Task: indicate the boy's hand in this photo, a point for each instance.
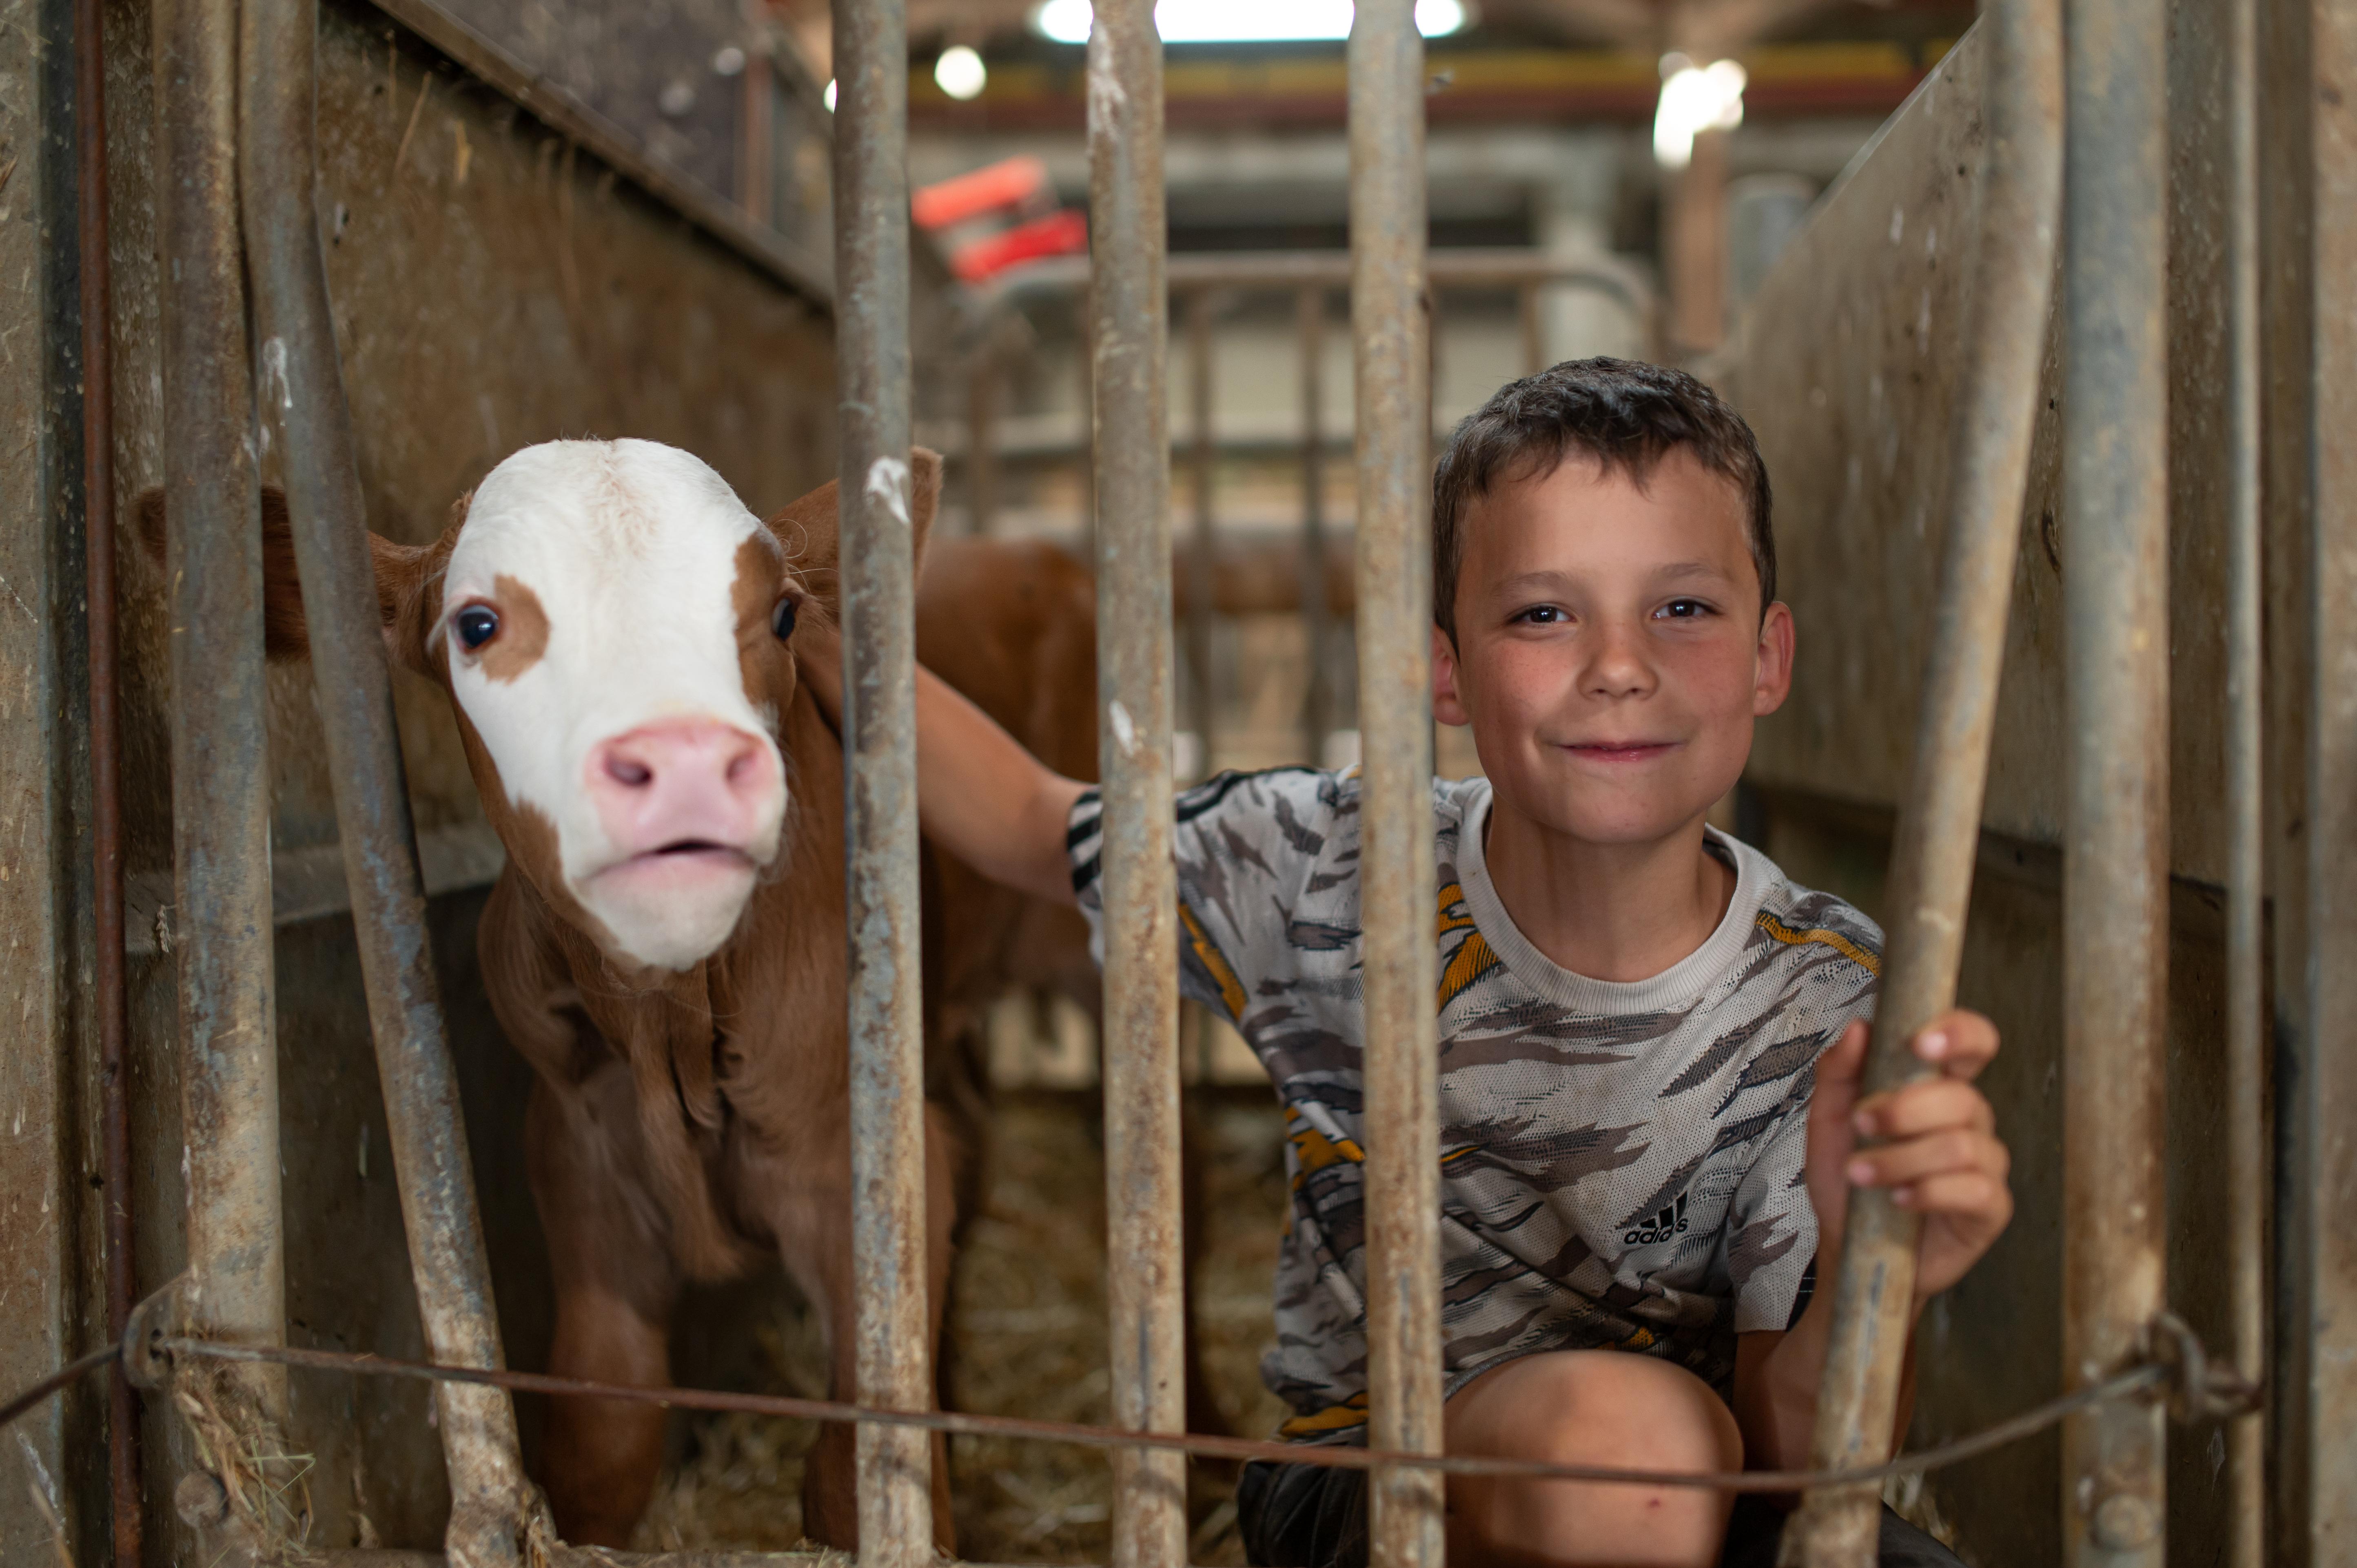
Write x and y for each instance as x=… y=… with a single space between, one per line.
x=1941 y=1156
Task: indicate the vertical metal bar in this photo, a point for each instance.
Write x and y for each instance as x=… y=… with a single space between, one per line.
x=2114 y=866
x=221 y=771
x=2328 y=1084
x=1086 y=363
x=302 y=393
x=1394 y=609
x=91 y=196
x=2246 y=1064
x=879 y=773
x=1432 y=348
x=1938 y=832
x=1318 y=700
x=1528 y=301
x=1202 y=469
x=1128 y=333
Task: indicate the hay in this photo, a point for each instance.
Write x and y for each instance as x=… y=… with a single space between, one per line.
x=1026 y=1336
x=267 y=1485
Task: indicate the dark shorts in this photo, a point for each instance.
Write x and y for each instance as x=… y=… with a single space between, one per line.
x=1315 y=1516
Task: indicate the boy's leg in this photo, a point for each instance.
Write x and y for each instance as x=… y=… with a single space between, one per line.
x=1589 y=1407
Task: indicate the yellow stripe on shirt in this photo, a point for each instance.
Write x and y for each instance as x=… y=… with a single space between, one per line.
x=1794 y=935
x=1223 y=975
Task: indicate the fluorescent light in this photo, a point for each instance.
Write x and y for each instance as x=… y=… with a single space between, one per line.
x=960 y=71
x=1243 y=21
x=1694 y=98
x=830 y=95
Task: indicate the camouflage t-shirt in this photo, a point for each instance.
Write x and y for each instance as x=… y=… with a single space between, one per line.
x=1621 y=1163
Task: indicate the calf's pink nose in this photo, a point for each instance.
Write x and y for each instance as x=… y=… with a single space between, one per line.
x=694 y=781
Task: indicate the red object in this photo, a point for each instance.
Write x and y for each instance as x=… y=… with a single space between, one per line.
x=1057 y=234
x=1014 y=182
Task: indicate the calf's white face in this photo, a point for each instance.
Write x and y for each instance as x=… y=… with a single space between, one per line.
x=606 y=614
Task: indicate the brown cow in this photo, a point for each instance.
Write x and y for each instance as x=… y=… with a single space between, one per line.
x=666 y=944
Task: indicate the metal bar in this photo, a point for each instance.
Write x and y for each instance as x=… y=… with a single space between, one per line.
x=1937 y=836
x=1394 y=588
x=220 y=761
x=1145 y=1264
x=2248 y=1141
x=2115 y=854
x=1202 y=466
x=302 y=393
x=2327 y=1306
x=91 y=198
x=879 y=773
x=1432 y=366
x=1317 y=699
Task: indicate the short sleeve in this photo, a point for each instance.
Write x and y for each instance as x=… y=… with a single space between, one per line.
x=1245 y=844
x=1772 y=1230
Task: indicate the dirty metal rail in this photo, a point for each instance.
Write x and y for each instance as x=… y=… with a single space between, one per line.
x=880 y=776
x=1317 y=699
x=1938 y=832
x=2115 y=864
x=220 y=764
x=1389 y=306
x=1128 y=343
x=302 y=394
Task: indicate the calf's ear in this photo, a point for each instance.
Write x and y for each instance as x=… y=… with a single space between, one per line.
x=405 y=578
x=811 y=528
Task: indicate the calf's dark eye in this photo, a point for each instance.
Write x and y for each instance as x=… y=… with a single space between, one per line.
x=781 y=619
x=476 y=625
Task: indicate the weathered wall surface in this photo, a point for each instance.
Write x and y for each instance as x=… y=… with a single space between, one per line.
x=1848 y=369
x=493 y=286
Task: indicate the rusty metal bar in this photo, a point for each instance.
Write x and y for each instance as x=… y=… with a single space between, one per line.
x=1395 y=590
x=221 y=760
x=879 y=773
x=91 y=196
x=1318 y=697
x=2115 y=851
x=1145 y=1265
x=2248 y=1141
x=2326 y=1306
x=302 y=394
x=1202 y=469
x=1938 y=832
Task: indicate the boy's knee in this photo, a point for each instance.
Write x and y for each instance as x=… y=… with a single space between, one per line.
x=1605 y=1407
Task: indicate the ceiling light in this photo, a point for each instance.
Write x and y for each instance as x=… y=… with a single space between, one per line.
x=1245 y=21
x=959 y=72
x=1694 y=98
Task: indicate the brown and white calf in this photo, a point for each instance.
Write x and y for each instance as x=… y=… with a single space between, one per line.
x=666 y=945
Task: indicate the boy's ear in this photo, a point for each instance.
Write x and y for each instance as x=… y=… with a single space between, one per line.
x=1447 y=703
x=811 y=528
x=405 y=574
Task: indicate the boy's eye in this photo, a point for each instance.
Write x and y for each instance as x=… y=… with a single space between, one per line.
x=1543 y=615
x=1684 y=610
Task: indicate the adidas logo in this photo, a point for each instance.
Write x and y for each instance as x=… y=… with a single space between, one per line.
x=1663 y=1227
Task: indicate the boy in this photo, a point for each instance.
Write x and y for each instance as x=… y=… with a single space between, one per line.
x=1650 y=1040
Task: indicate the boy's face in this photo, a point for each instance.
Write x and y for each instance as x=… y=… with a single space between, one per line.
x=1610 y=653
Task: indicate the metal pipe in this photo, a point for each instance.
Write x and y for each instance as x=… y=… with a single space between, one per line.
x=1317 y=700
x=1394 y=573
x=2247 y=1140
x=1203 y=462
x=302 y=393
x=221 y=757
x=2115 y=852
x=91 y=196
x=1146 y=1263
x=1938 y=832
x=879 y=773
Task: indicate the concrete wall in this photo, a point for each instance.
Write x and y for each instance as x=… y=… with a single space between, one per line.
x=1847 y=367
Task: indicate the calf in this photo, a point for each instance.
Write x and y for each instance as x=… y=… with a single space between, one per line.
x=666 y=943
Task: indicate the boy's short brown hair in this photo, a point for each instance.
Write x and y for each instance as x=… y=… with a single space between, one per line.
x=1625 y=415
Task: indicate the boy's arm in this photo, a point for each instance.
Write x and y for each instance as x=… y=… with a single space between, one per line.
x=981 y=795
x=1942 y=1158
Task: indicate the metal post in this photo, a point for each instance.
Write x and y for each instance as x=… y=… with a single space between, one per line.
x=879 y=772
x=2246 y=1047
x=91 y=196
x=1394 y=609
x=1938 y=833
x=302 y=393
x=2325 y=1308
x=1203 y=468
x=221 y=768
x=1145 y=1266
x=1318 y=700
x=2115 y=853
